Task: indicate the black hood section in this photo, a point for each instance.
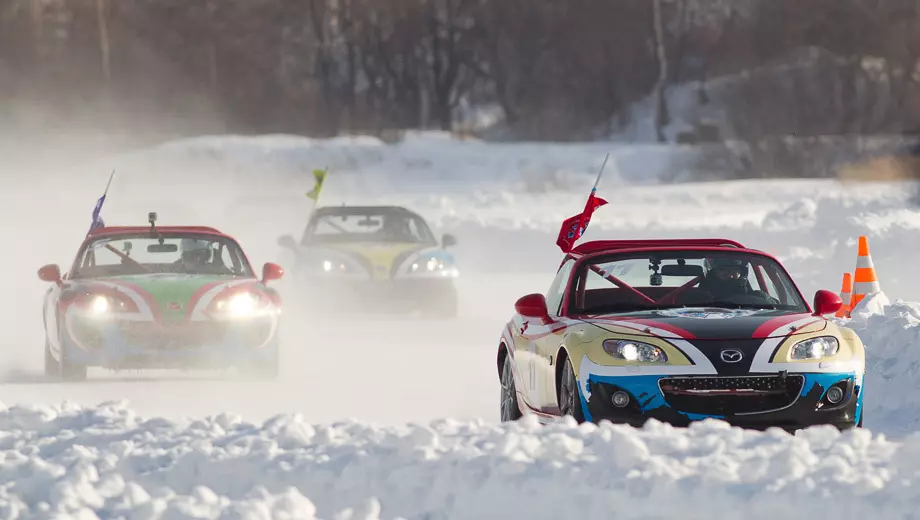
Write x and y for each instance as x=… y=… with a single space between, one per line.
x=713 y=350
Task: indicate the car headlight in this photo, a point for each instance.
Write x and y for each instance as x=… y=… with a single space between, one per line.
x=239 y=305
x=816 y=348
x=434 y=265
x=330 y=266
x=635 y=351
x=99 y=305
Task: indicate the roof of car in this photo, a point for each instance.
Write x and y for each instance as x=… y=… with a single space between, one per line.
x=130 y=230
x=605 y=246
x=361 y=210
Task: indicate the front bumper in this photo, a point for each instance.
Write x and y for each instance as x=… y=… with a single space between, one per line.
x=758 y=401
x=399 y=295
x=117 y=344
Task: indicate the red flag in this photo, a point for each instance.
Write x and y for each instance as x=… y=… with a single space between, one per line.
x=574 y=227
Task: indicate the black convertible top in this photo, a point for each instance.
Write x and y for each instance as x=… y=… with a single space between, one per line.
x=363 y=211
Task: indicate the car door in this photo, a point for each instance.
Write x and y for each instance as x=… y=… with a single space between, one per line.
x=545 y=343
x=50 y=305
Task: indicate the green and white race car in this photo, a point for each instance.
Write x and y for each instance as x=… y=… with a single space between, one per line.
x=183 y=297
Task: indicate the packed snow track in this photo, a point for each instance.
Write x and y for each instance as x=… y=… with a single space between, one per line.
x=376 y=417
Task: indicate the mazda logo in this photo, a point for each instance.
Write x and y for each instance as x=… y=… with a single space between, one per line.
x=731 y=355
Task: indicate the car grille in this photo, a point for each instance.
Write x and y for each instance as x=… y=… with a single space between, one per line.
x=186 y=335
x=730 y=395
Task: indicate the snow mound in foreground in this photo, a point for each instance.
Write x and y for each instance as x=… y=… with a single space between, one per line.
x=891 y=335
x=107 y=462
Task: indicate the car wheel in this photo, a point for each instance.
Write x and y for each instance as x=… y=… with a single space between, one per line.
x=569 y=400
x=510 y=410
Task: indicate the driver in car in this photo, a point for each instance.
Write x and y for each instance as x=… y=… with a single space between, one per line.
x=727 y=278
x=396 y=229
x=196 y=258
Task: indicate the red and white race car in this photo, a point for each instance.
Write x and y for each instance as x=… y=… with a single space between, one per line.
x=679 y=330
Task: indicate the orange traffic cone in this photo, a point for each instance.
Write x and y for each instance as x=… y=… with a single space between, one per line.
x=846 y=294
x=865 y=280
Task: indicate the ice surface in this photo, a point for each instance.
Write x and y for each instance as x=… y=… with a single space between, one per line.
x=368 y=390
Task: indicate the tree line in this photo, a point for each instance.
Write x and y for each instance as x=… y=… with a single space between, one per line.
x=557 y=70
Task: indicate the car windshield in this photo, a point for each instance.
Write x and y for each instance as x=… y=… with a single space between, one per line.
x=672 y=279
x=382 y=226
x=170 y=253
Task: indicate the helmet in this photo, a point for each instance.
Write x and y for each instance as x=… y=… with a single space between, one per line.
x=720 y=264
x=194 y=249
x=726 y=273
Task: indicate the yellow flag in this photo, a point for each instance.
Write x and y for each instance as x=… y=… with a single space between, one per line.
x=320 y=178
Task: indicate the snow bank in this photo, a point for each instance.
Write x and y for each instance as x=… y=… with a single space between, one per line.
x=108 y=462
x=891 y=333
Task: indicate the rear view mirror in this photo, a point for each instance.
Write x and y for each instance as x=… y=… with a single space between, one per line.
x=681 y=270
x=448 y=240
x=50 y=273
x=827 y=302
x=162 y=248
x=532 y=306
x=271 y=271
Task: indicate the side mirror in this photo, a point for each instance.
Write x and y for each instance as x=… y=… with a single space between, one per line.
x=532 y=306
x=287 y=242
x=448 y=240
x=271 y=271
x=50 y=273
x=827 y=302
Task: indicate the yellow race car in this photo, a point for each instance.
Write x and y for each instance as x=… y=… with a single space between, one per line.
x=679 y=331
x=373 y=259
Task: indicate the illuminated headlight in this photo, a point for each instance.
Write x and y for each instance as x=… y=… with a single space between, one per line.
x=330 y=266
x=435 y=266
x=99 y=305
x=635 y=351
x=816 y=348
x=240 y=305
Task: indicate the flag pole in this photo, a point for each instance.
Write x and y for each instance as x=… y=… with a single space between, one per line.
x=112 y=176
x=600 y=172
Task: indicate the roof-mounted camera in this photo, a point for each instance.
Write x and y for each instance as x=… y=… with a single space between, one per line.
x=152 y=218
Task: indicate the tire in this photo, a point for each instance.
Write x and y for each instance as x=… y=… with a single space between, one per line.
x=569 y=400
x=508 y=408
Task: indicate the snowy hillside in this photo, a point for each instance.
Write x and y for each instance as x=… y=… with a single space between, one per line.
x=400 y=418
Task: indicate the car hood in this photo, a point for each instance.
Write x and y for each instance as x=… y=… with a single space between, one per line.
x=168 y=295
x=710 y=323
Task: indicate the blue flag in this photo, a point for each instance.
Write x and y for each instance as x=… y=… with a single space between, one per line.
x=97 y=220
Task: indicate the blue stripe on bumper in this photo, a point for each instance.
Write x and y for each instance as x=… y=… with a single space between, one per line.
x=649 y=402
